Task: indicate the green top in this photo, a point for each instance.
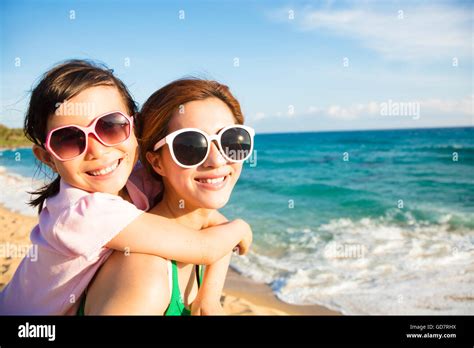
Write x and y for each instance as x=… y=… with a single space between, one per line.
x=176 y=306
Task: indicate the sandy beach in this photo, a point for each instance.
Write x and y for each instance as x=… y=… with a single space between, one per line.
x=241 y=295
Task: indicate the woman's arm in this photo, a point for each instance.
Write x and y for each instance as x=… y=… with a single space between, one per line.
x=207 y=301
x=157 y=235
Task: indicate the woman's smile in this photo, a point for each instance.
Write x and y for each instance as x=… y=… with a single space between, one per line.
x=212 y=182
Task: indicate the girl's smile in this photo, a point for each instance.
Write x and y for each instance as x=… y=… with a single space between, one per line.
x=105 y=171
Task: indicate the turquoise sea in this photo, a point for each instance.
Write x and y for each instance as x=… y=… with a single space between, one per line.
x=378 y=222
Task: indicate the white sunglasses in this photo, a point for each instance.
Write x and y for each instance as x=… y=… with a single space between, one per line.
x=190 y=147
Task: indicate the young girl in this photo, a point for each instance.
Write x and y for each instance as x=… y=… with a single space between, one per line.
x=80 y=118
x=192 y=139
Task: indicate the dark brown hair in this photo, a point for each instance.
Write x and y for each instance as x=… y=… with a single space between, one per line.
x=156 y=113
x=57 y=85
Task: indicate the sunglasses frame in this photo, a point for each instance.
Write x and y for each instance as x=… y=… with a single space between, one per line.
x=88 y=130
x=209 y=138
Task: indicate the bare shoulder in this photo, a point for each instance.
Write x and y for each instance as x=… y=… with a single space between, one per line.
x=131 y=283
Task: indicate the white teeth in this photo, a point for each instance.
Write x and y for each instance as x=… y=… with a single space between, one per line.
x=212 y=181
x=105 y=170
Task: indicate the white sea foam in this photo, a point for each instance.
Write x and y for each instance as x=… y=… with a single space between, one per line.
x=14 y=190
x=373 y=266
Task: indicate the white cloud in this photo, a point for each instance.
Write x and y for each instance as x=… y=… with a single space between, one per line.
x=259 y=116
x=425 y=31
x=449 y=106
x=446 y=107
x=351 y=112
x=431 y=106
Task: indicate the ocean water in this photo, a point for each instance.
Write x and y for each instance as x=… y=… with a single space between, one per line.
x=365 y=222
x=20 y=174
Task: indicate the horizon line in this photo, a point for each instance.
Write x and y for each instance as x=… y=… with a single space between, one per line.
x=335 y=130
x=365 y=130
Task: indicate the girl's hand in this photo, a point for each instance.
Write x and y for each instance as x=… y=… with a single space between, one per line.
x=244 y=245
x=202 y=307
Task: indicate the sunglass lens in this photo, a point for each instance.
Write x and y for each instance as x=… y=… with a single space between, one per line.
x=113 y=128
x=190 y=148
x=236 y=143
x=68 y=142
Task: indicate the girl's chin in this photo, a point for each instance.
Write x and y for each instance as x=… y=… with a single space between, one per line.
x=107 y=187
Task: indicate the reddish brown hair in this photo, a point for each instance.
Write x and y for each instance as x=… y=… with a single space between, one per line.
x=156 y=113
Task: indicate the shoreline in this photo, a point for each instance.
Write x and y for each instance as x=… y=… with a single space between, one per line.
x=241 y=295
x=11 y=148
x=260 y=294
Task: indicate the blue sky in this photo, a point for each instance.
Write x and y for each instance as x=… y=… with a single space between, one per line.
x=302 y=65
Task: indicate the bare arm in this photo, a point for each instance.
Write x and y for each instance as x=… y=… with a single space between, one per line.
x=157 y=235
x=207 y=301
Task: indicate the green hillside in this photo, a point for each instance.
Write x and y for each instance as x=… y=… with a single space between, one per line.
x=12 y=137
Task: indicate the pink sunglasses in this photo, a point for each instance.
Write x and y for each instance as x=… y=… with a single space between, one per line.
x=69 y=142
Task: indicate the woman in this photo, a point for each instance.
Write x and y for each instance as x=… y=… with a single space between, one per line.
x=192 y=139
